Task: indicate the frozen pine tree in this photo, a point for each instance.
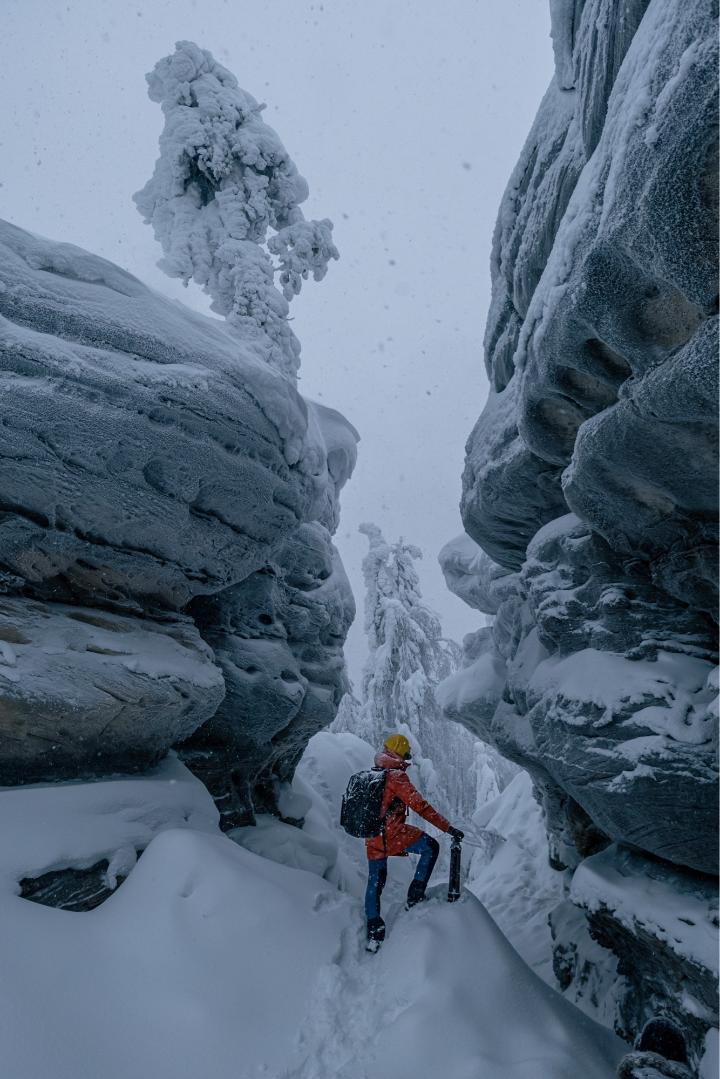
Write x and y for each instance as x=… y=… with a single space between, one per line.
x=349 y=716
x=224 y=202
x=407 y=658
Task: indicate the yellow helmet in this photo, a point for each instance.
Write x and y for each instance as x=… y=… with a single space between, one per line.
x=397 y=743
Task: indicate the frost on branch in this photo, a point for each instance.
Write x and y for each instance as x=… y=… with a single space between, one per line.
x=302 y=247
x=407 y=658
x=223 y=181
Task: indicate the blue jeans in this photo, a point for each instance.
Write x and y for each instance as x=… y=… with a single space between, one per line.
x=428 y=849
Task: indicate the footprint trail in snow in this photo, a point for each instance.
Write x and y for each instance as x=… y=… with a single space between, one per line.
x=447 y=996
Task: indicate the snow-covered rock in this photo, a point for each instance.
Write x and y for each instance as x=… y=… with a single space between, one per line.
x=87 y=692
x=622 y=699
x=278 y=638
x=598 y=674
x=473 y=576
x=662 y=925
x=508 y=491
x=148 y=456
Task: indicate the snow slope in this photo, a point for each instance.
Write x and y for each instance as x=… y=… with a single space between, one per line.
x=511 y=874
x=213 y=961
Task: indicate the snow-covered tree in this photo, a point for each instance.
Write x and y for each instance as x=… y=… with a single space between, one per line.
x=349 y=716
x=222 y=182
x=408 y=657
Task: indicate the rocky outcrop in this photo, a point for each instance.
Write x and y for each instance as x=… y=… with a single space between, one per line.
x=147 y=457
x=70 y=889
x=599 y=673
x=151 y=458
x=88 y=690
x=661 y=923
x=278 y=638
x=621 y=698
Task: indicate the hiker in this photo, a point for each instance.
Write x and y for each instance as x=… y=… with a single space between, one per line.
x=397 y=837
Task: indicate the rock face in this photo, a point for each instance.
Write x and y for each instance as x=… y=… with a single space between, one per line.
x=662 y=924
x=598 y=673
x=162 y=490
x=82 y=688
x=278 y=638
x=147 y=457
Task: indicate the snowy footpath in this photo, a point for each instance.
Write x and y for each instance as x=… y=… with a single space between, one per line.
x=212 y=961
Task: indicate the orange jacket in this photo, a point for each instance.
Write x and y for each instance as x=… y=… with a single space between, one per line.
x=397 y=835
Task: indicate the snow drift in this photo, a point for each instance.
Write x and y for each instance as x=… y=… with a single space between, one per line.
x=181 y=972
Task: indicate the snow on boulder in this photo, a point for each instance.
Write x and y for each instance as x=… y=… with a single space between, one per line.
x=622 y=699
x=471 y=695
x=147 y=454
x=74 y=825
x=177 y=975
x=278 y=638
x=662 y=924
x=473 y=576
x=85 y=692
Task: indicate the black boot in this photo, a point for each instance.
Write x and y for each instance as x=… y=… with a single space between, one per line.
x=416 y=893
x=375 y=933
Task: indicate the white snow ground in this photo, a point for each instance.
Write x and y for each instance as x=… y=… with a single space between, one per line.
x=211 y=960
x=511 y=874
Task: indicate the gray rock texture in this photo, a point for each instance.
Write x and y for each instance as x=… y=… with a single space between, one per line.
x=661 y=923
x=87 y=691
x=70 y=889
x=652 y=1066
x=599 y=673
x=278 y=638
x=149 y=457
x=621 y=702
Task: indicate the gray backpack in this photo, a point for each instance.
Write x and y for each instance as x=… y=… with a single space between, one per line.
x=361 y=813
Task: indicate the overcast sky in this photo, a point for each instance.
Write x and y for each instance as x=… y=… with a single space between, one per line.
x=405 y=116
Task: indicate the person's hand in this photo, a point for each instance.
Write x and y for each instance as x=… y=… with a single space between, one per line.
x=455 y=833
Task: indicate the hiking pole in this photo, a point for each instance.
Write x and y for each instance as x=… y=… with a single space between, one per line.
x=455 y=859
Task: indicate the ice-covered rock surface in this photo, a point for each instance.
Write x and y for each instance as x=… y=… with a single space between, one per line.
x=598 y=673
x=278 y=637
x=147 y=455
x=662 y=925
x=621 y=700
x=83 y=689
